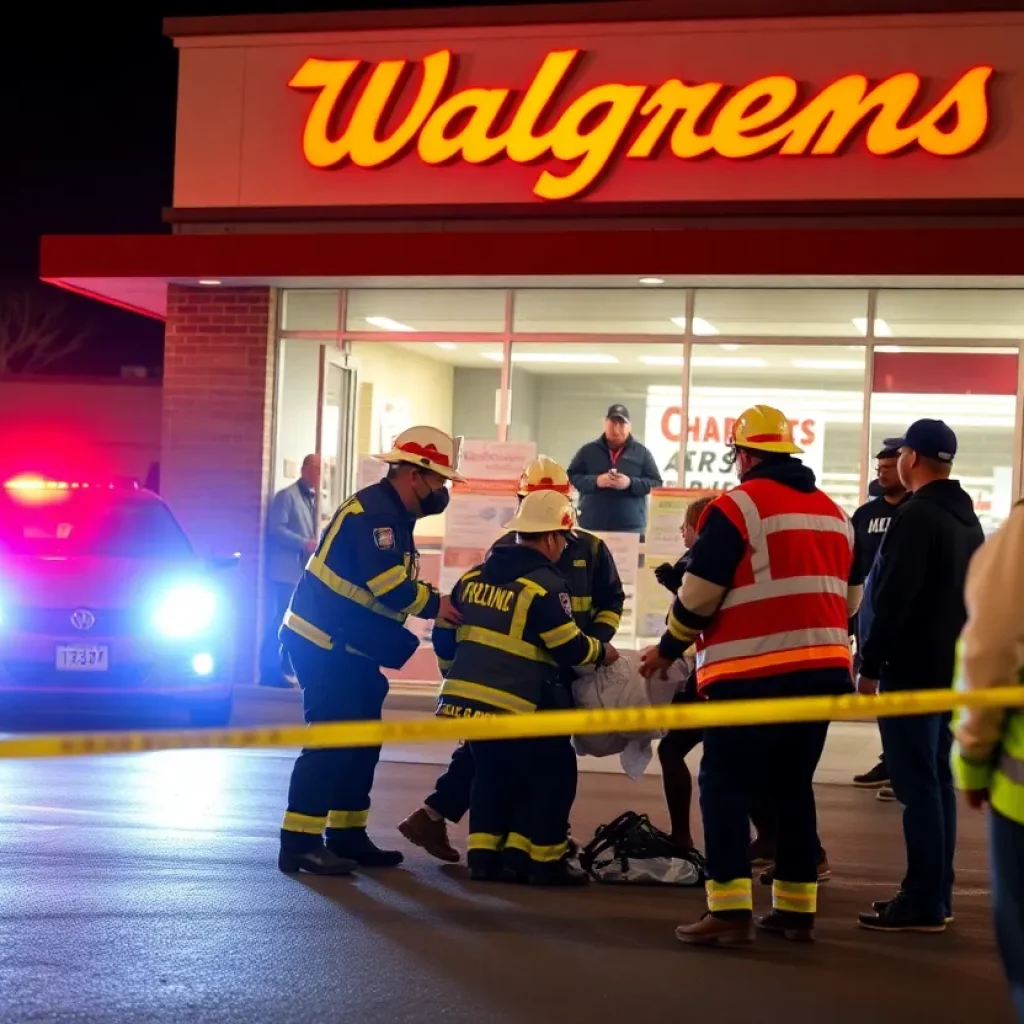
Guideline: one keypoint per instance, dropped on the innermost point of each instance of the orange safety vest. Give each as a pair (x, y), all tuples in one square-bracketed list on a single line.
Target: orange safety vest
[(785, 609)]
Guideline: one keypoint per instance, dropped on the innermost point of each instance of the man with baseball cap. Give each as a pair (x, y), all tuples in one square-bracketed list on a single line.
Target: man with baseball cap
[(613, 475), (918, 598)]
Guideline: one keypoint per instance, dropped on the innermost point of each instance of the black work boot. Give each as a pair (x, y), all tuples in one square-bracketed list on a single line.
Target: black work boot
[(314, 860), (355, 844), (791, 926), (564, 873)]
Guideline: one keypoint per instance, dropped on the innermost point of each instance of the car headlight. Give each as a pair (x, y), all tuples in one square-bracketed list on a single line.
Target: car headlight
[(186, 610)]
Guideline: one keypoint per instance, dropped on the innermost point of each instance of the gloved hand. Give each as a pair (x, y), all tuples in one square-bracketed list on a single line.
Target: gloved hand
[(669, 576)]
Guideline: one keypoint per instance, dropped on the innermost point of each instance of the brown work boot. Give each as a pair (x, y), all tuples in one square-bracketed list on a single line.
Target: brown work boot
[(423, 831), (789, 926), (714, 931)]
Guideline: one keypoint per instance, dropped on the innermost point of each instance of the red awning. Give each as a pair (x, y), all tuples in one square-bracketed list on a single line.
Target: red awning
[(133, 271)]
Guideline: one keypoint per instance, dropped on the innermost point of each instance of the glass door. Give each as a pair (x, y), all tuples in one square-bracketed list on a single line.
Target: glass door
[(335, 432)]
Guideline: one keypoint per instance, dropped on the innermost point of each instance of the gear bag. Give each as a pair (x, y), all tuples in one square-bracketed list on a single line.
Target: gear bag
[(633, 851)]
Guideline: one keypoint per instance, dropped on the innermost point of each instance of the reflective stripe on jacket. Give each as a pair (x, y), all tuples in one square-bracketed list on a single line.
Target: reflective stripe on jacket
[(785, 609)]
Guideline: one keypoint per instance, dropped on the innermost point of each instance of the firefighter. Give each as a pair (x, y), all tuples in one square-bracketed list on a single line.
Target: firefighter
[(346, 621), (517, 630), (770, 586), (597, 600)]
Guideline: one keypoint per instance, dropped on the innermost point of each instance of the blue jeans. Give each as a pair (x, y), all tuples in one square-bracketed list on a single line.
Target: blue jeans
[(917, 749), (1007, 851)]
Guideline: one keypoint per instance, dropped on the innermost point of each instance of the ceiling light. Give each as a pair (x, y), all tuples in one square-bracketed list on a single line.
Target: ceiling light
[(385, 323), (652, 280), (704, 327), (661, 360), (827, 364), (888, 348), (730, 348), (446, 344), (728, 361), (882, 329), (553, 357), (209, 281)]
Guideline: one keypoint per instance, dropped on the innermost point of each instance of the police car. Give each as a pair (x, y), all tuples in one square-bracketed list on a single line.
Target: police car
[(103, 600)]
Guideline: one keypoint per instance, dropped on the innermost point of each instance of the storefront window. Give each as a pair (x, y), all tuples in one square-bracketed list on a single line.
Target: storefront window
[(297, 388), (310, 310), (622, 311), (781, 312), (426, 310), (974, 391), (950, 313), (820, 388)]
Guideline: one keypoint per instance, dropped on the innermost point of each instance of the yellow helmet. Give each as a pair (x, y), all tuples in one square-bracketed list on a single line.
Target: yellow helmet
[(764, 429), (543, 474), (543, 512)]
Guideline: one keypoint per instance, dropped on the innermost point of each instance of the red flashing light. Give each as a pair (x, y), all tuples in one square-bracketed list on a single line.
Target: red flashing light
[(38, 483)]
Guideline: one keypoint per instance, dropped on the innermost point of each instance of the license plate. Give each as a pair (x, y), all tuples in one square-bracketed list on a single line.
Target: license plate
[(82, 658)]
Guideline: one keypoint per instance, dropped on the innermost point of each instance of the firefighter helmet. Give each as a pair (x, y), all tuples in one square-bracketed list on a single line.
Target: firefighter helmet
[(543, 474), (543, 512), (426, 448), (764, 429)]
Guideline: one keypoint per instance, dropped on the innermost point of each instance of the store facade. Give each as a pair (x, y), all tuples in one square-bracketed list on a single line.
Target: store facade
[(503, 229)]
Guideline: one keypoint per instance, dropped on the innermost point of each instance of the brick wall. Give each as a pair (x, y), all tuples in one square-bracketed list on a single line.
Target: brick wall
[(217, 416)]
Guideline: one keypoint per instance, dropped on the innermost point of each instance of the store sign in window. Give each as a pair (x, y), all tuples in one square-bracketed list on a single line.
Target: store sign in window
[(373, 114)]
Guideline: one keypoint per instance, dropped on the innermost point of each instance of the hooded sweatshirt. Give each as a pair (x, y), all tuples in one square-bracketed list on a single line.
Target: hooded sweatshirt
[(917, 589)]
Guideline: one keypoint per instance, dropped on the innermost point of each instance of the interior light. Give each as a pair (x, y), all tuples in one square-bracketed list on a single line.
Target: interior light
[(652, 280), (553, 357), (385, 323), (730, 348), (662, 360), (888, 348), (211, 282), (882, 329), (449, 345), (729, 361), (827, 364)]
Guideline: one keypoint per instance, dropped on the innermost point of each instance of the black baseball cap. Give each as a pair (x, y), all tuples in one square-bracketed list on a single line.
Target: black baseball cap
[(617, 412), (933, 439), (888, 453)]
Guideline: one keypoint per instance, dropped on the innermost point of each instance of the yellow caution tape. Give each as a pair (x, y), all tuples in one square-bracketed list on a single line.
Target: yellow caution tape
[(703, 715)]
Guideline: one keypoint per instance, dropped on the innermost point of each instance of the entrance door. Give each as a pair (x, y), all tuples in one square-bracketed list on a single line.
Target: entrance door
[(335, 432)]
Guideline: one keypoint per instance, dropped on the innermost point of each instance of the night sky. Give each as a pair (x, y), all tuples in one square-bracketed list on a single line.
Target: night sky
[(88, 131)]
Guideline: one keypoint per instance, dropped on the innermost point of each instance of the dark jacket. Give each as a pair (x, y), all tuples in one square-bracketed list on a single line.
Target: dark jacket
[(917, 589), (594, 584), (517, 631), (603, 508), (870, 523), (362, 582)]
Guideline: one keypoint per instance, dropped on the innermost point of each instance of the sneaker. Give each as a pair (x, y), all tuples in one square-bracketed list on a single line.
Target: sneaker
[(879, 906), (364, 851), (429, 834), (317, 861), (713, 931), (878, 776), (886, 794), (897, 915), (779, 924)]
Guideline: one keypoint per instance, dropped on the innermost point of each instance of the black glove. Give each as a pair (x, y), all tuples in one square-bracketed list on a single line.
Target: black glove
[(669, 576)]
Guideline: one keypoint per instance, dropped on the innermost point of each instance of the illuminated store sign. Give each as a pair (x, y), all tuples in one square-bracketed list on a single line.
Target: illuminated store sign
[(374, 114)]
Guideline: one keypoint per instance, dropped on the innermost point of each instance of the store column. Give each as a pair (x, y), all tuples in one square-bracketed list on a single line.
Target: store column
[(215, 455)]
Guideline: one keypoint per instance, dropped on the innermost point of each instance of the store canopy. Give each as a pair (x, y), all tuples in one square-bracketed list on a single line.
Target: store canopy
[(133, 271)]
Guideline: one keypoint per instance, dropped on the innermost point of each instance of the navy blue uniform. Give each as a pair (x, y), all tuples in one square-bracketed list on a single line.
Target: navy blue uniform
[(596, 598), (517, 633), (346, 620)]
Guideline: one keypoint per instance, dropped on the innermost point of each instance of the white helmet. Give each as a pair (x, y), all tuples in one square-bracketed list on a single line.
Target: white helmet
[(544, 474), (543, 512), (427, 448)]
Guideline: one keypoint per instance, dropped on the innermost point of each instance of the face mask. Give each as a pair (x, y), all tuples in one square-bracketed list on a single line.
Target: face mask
[(434, 503)]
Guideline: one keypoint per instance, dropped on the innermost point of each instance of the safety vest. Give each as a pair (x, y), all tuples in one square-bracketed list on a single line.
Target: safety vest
[(785, 609), (1004, 778)]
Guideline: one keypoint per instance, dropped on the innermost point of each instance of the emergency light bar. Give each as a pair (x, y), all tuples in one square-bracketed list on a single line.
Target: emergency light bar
[(36, 483)]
